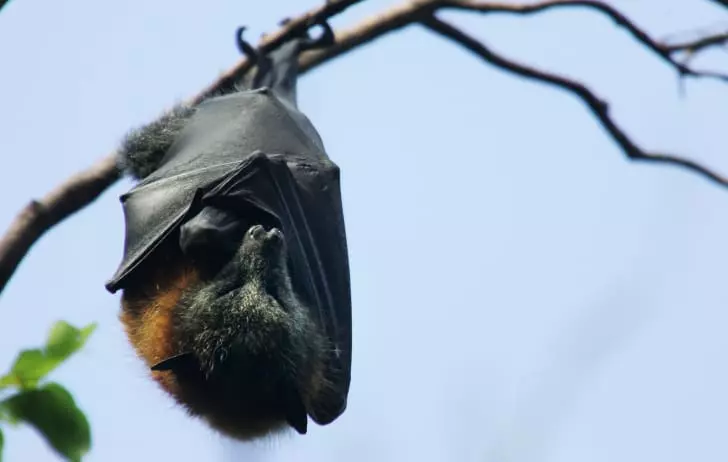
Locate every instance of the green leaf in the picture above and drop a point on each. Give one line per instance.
(64, 339)
(53, 412)
(6, 415)
(29, 367)
(2, 444)
(32, 365)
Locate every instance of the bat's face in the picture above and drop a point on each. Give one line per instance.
(237, 347)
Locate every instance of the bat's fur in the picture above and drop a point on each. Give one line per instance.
(255, 359)
(142, 149)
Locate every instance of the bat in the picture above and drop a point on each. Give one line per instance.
(235, 269)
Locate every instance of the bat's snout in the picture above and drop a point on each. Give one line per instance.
(258, 233)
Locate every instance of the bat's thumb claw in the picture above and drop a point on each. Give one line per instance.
(173, 363)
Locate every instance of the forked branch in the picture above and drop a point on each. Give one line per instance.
(596, 105)
(83, 188)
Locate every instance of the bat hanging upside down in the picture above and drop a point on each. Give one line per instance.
(235, 273)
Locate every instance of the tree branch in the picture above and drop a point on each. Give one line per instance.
(40, 215)
(598, 107)
(3, 3)
(82, 189)
(697, 45)
(290, 28)
(640, 35)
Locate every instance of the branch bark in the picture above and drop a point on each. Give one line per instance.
(699, 44)
(598, 107)
(83, 188)
(40, 215)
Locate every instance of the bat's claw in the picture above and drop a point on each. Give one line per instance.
(327, 37)
(244, 46)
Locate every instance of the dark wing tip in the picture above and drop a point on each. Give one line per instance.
(324, 414)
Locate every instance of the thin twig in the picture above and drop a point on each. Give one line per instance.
(699, 44)
(598, 107)
(619, 18)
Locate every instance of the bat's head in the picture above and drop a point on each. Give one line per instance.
(236, 347)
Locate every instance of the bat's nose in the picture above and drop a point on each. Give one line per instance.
(257, 232)
(276, 234)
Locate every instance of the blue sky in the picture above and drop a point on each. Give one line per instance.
(521, 291)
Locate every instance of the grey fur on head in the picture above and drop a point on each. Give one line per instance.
(143, 148)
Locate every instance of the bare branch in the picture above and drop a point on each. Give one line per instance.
(3, 3)
(370, 29)
(620, 19)
(40, 215)
(697, 45)
(597, 106)
(81, 189)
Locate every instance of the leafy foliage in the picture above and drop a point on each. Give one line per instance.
(48, 407)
